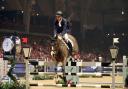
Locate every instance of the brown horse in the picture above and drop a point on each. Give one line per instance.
(60, 52)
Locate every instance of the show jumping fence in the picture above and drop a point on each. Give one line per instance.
(86, 68)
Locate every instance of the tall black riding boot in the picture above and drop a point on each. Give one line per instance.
(70, 47)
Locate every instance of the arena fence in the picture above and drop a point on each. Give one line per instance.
(85, 68)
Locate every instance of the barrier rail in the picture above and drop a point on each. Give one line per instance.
(101, 73)
(87, 84)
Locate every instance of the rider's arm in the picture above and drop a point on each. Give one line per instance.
(66, 27)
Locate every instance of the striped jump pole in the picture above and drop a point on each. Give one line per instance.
(124, 70)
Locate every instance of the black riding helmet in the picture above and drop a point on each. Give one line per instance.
(59, 13)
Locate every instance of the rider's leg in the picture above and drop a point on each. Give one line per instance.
(70, 46)
(66, 37)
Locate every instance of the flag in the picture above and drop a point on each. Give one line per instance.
(24, 40)
(115, 40)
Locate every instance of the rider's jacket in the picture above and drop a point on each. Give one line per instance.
(61, 27)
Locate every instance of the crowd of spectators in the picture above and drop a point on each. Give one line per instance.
(1, 53)
(41, 51)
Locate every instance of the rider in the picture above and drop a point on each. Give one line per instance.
(61, 27)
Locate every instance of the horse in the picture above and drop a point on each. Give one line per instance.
(60, 52)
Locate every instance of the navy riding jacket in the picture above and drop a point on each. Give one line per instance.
(63, 28)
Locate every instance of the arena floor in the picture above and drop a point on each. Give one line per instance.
(70, 88)
(105, 79)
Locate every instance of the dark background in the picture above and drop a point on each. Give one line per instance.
(93, 22)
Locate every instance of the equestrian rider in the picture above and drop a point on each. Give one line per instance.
(61, 27)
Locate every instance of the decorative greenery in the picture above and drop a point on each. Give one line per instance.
(87, 76)
(11, 85)
(60, 82)
(43, 77)
(12, 61)
(84, 76)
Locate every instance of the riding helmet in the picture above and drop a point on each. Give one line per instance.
(59, 13)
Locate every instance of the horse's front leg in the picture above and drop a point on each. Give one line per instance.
(64, 73)
(56, 76)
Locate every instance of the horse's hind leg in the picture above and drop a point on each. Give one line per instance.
(55, 72)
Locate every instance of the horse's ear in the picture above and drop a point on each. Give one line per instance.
(55, 37)
(52, 40)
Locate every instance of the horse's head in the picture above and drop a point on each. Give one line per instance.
(55, 43)
(53, 46)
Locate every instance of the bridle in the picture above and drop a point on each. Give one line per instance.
(53, 48)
